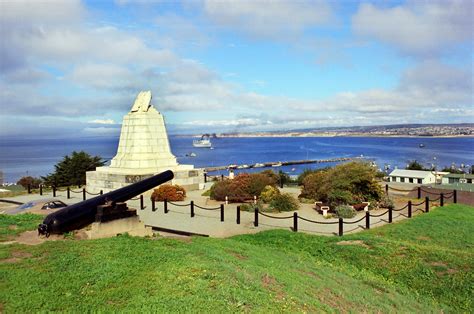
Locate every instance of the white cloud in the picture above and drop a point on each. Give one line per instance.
(269, 19)
(104, 121)
(421, 28)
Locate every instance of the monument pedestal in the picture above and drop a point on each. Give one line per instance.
(143, 151)
(109, 179)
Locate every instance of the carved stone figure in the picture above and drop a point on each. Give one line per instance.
(142, 102)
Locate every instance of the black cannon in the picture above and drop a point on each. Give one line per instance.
(81, 214)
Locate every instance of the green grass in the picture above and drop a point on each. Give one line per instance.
(11, 226)
(419, 265)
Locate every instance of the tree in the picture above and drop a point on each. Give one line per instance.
(33, 182)
(415, 165)
(72, 169)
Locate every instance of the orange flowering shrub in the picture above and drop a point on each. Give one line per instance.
(169, 192)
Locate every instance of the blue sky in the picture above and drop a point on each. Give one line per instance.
(73, 68)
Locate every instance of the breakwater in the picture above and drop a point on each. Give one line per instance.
(281, 163)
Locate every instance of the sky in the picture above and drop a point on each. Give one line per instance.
(74, 68)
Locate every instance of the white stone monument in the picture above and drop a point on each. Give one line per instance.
(143, 151)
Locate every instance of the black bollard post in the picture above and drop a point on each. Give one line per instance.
(192, 208)
(281, 183)
(427, 204)
(166, 206)
(153, 205)
(222, 212)
(68, 193)
(29, 188)
(238, 215)
(83, 194)
(441, 200)
(54, 191)
(341, 227)
(205, 178)
(409, 209)
(390, 215)
(419, 192)
(386, 188)
(222, 177)
(295, 222)
(141, 202)
(255, 222)
(455, 196)
(367, 220)
(101, 192)
(41, 189)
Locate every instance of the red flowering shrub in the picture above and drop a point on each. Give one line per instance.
(169, 192)
(243, 187)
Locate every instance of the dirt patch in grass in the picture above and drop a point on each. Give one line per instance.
(423, 238)
(271, 284)
(16, 256)
(32, 238)
(12, 227)
(328, 297)
(354, 242)
(237, 255)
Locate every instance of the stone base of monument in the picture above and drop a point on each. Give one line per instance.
(108, 179)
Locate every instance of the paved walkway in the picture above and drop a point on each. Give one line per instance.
(206, 222)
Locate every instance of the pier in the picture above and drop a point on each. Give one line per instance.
(280, 163)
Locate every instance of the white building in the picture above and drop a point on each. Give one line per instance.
(453, 178)
(412, 176)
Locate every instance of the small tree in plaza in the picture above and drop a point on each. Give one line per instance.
(348, 183)
(31, 181)
(72, 169)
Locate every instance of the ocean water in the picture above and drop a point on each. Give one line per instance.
(25, 157)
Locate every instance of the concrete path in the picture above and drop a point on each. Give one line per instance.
(207, 222)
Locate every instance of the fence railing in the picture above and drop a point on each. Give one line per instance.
(446, 195)
(192, 207)
(410, 207)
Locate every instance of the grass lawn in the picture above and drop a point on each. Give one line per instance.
(424, 264)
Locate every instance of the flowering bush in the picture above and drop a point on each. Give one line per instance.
(269, 193)
(243, 187)
(169, 192)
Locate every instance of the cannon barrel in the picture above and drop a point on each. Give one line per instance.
(81, 214)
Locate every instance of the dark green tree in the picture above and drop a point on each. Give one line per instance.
(72, 169)
(415, 165)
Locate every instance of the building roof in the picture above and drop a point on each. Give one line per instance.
(458, 175)
(419, 174)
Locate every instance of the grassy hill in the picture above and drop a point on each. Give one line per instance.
(419, 265)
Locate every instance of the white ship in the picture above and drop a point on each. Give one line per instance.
(203, 142)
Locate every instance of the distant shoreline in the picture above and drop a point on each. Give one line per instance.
(289, 135)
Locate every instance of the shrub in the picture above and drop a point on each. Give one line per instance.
(269, 193)
(284, 202)
(348, 183)
(345, 211)
(243, 187)
(386, 202)
(169, 192)
(25, 181)
(251, 207)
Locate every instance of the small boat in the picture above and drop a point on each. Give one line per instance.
(293, 169)
(258, 165)
(422, 145)
(278, 164)
(191, 155)
(204, 142)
